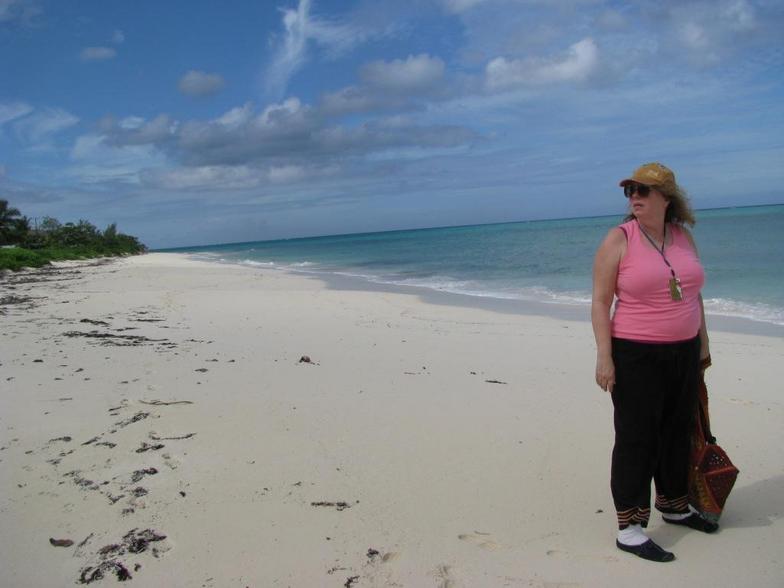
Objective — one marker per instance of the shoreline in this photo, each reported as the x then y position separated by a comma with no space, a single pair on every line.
157,412
552,309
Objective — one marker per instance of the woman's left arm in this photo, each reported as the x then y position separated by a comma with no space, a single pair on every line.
704,342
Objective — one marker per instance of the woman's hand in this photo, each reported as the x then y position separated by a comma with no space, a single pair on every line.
605,373
705,362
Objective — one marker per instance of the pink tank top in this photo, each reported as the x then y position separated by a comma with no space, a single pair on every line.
644,308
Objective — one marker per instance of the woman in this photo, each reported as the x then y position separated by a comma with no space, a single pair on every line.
649,354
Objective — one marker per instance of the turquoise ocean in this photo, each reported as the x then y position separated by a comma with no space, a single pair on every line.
544,261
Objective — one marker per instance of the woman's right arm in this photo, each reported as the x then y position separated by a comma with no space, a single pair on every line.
605,273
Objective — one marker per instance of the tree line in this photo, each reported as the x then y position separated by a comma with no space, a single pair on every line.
35,245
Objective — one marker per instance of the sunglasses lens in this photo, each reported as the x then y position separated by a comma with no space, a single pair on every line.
641,189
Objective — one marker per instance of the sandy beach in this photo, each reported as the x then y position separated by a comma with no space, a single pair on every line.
186,423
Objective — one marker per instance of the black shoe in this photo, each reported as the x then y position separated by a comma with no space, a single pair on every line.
696,522
648,550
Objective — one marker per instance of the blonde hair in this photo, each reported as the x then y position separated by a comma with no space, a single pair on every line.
679,211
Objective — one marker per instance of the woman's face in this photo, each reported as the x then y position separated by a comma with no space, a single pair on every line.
651,207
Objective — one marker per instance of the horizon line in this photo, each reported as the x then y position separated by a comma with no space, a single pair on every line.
358,233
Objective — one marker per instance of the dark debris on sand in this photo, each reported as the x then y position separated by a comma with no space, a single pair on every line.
94,322
80,481
139,416
134,541
162,403
12,299
60,542
139,474
120,340
148,447
155,437
337,505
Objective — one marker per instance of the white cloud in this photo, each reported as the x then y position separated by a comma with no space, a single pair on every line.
577,65
87,146
283,113
17,10
236,117
400,84
231,177
97,160
301,28
611,20
98,53
281,138
118,37
199,83
131,122
205,177
13,110
707,32
458,6
133,130
42,124
286,174
415,73
347,100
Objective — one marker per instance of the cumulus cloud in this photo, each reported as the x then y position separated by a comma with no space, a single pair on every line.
138,131
457,6
352,99
41,125
96,159
98,53
199,83
611,20
17,10
118,37
285,142
12,110
709,30
389,85
233,177
302,29
206,177
416,73
577,65
236,117
241,136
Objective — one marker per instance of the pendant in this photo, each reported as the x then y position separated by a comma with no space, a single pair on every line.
676,293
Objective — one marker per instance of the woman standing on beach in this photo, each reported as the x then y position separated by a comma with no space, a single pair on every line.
649,354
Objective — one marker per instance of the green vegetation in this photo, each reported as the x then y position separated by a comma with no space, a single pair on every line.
53,241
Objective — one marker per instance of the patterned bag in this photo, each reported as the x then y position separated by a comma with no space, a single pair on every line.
712,474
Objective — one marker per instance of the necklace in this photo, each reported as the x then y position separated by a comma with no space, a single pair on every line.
676,292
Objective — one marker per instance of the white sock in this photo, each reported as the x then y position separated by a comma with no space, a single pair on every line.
632,535
679,516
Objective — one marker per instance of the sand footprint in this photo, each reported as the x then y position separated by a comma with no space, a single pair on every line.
445,577
483,540
376,572
741,401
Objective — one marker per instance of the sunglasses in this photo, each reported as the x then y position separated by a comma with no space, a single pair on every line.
641,189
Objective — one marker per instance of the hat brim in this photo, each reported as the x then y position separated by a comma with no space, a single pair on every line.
628,181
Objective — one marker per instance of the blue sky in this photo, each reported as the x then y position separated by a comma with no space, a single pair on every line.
204,122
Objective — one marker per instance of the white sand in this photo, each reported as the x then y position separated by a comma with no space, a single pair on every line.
455,481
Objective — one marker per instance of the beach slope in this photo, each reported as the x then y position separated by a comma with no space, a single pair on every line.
184,423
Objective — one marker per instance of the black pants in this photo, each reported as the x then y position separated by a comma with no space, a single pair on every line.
654,397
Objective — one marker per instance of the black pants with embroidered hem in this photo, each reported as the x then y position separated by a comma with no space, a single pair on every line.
654,398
